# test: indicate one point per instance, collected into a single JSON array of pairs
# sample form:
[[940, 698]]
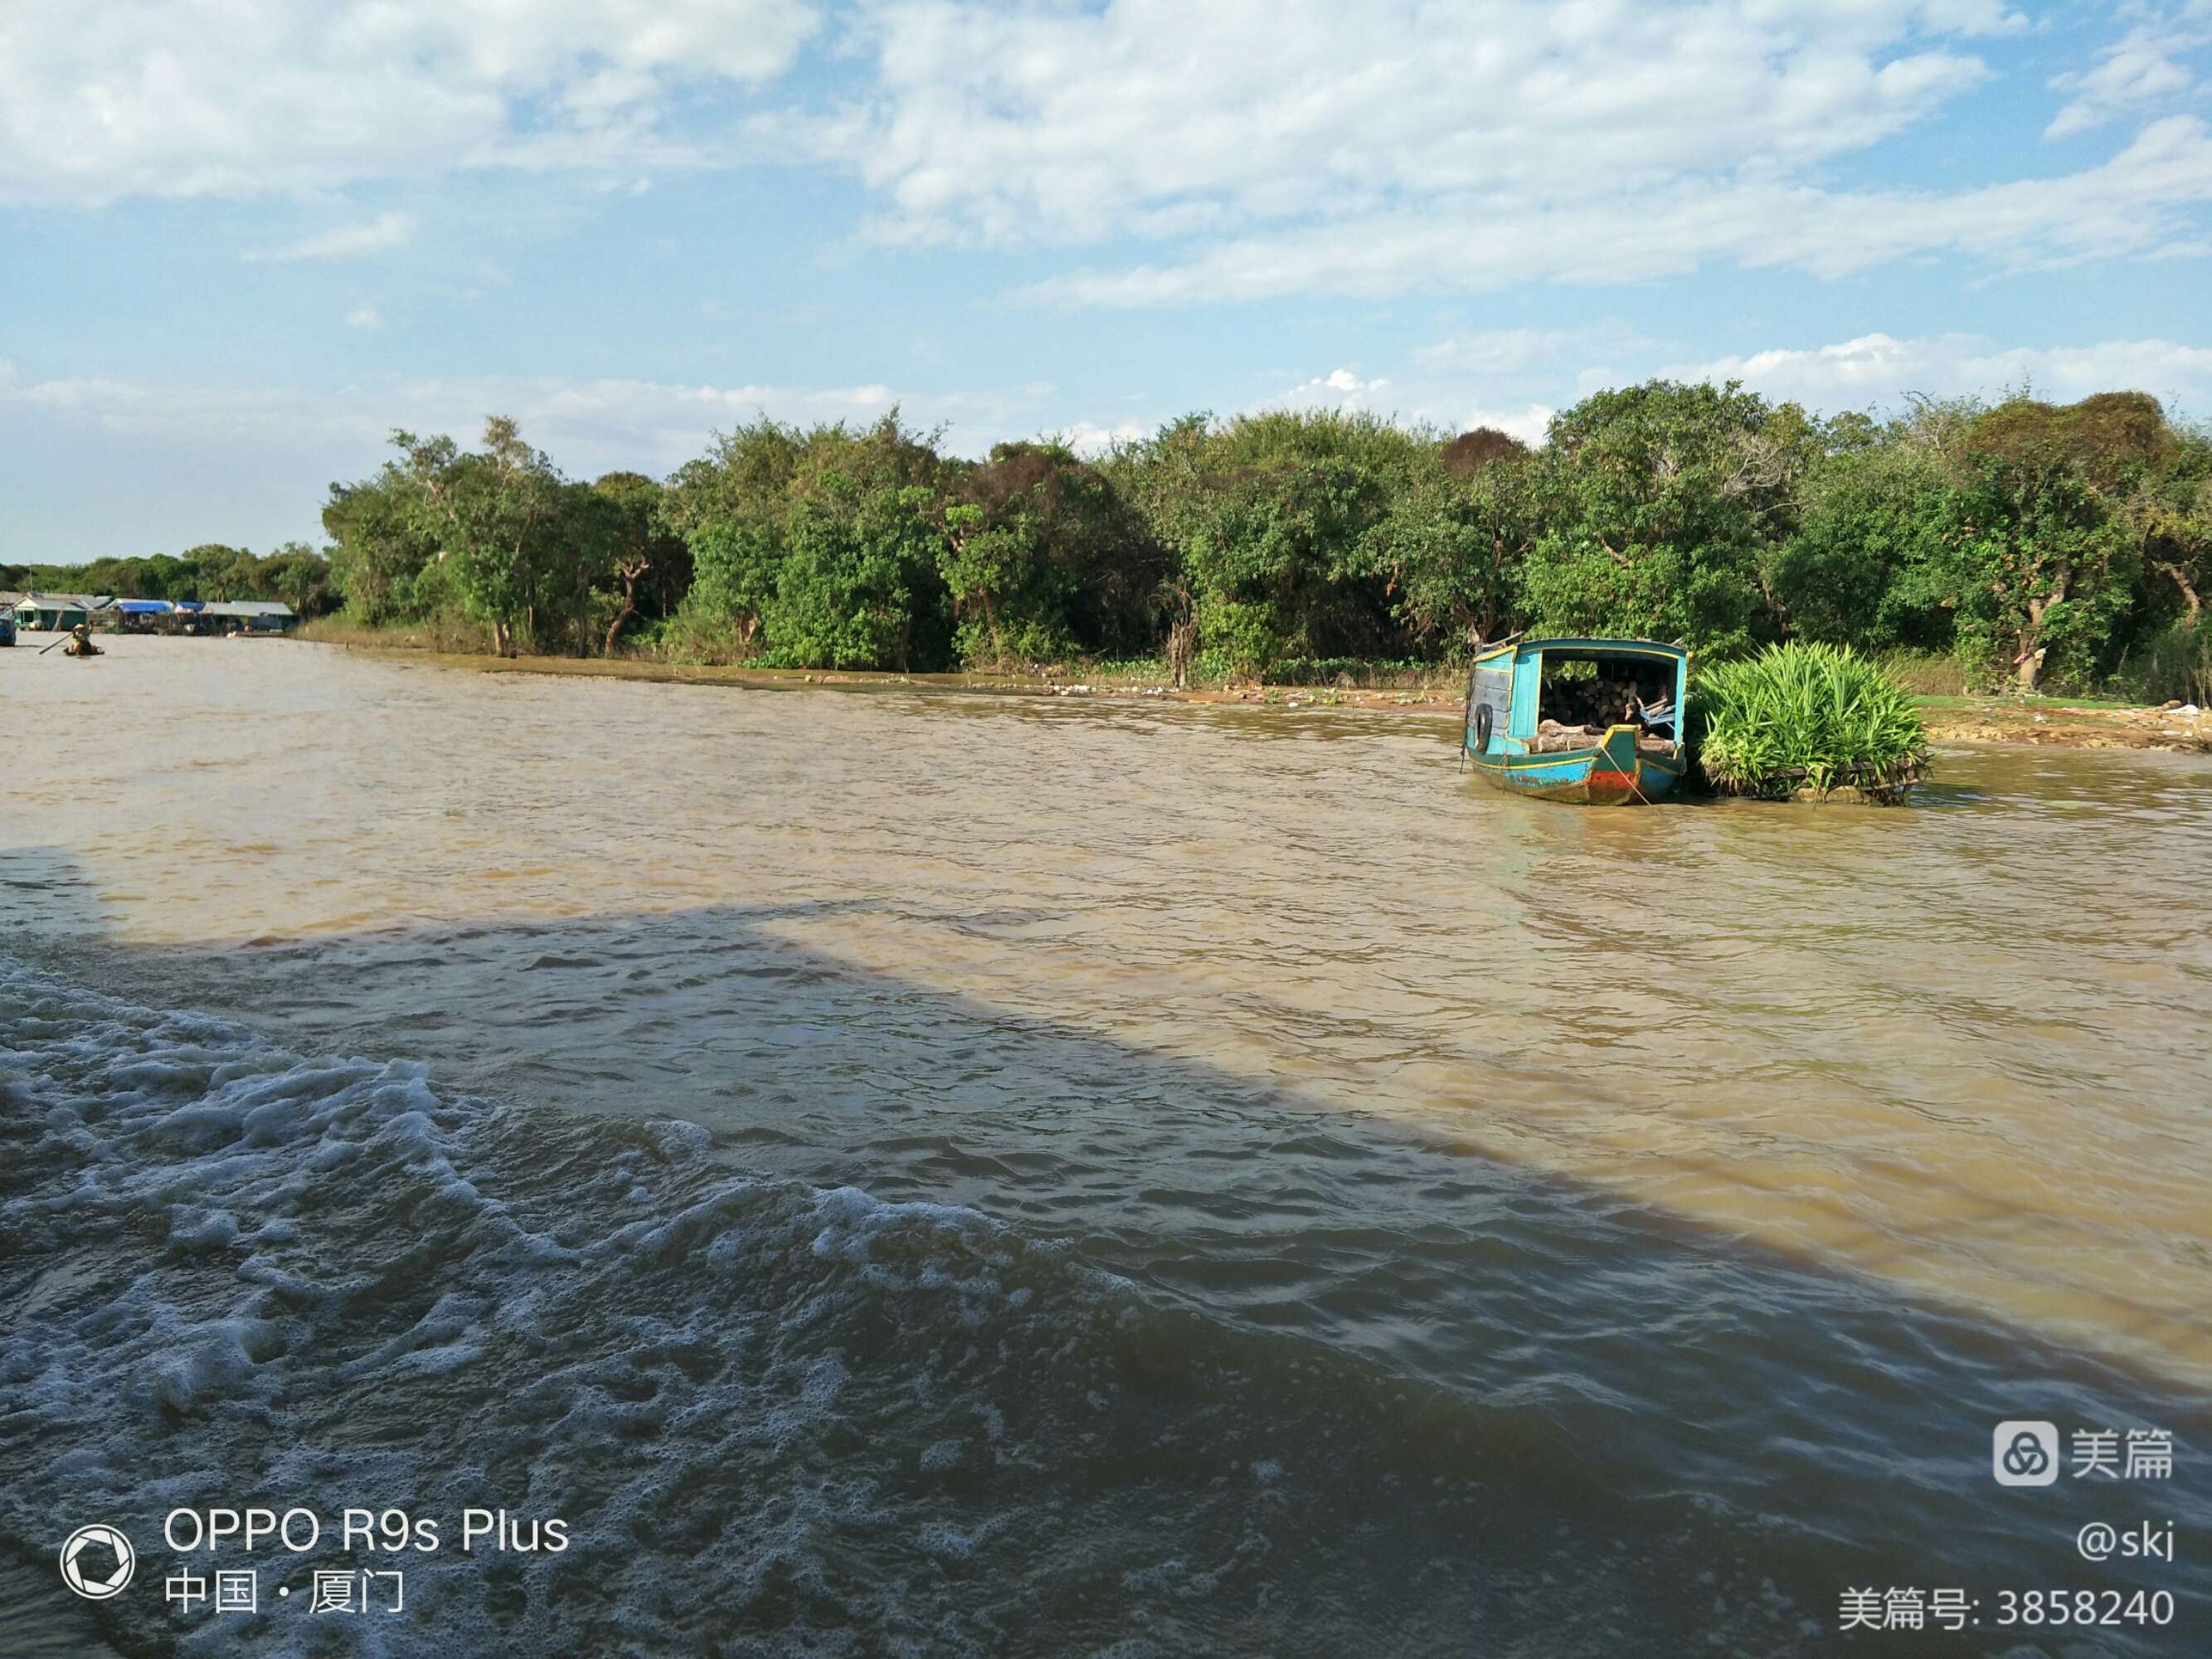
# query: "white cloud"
[[202, 97], [1529, 424], [1089, 438], [364, 317], [2133, 204], [1158, 119], [386, 230], [1879, 371], [1438, 398], [2141, 68], [1340, 389], [1286, 147]]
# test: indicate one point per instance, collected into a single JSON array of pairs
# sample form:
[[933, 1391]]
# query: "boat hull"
[[1615, 773]]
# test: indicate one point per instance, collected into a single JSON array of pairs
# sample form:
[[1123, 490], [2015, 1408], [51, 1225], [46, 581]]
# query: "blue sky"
[[239, 240]]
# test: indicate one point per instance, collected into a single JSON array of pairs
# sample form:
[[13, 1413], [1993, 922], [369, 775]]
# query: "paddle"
[[64, 639]]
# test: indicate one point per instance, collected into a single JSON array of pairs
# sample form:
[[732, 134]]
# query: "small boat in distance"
[[1597, 720]]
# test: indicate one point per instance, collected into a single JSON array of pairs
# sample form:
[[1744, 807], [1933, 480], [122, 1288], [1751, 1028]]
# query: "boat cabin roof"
[[1586, 647]]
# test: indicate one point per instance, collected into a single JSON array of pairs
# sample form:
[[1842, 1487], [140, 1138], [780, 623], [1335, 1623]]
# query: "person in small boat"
[[79, 643]]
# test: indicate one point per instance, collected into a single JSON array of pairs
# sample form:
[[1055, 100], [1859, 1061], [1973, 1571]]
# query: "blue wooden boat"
[[1597, 720]]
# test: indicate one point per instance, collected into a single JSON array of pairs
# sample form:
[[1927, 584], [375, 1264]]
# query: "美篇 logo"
[[2025, 1454]]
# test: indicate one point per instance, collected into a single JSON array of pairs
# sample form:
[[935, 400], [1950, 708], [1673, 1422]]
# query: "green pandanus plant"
[[1808, 720]]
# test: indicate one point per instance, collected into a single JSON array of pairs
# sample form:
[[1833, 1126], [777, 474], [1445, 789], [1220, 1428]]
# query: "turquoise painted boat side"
[[1614, 773]]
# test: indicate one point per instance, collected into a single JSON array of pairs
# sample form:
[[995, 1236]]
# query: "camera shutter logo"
[[96, 1579], [2025, 1454]]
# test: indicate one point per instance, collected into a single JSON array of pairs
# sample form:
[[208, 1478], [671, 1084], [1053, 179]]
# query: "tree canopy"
[[2039, 544]]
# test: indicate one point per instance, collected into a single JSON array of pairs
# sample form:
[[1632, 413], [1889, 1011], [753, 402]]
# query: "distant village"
[[58, 613]]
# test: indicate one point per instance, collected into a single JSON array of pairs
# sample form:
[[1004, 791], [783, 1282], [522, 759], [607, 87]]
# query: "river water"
[[906, 1172]]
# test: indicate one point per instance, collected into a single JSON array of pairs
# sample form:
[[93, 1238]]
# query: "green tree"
[[732, 507], [383, 535], [1453, 540], [507, 529], [818, 549], [1284, 568], [856, 560], [2037, 568], [1662, 500], [1858, 570], [1042, 558], [301, 578], [646, 568]]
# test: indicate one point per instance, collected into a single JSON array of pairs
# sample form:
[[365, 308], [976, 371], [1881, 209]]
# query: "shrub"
[[1808, 718]]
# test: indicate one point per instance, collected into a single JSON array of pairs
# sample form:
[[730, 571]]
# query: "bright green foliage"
[[381, 543], [730, 508], [2034, 544], [855, 560], [1283, 567], [734, 565], [1273, 513], [509, 531], [1453, 543], [1807, 717], [1043, 559], [815, 549], [1871, 531], [2037, 564], [1660, 500]]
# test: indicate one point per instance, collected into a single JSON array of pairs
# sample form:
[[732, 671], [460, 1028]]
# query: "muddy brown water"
[[1207, 1178]]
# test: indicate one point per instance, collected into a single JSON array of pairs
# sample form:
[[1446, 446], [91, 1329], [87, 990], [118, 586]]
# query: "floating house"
[[248, 616], [143, 615], [57, 613]]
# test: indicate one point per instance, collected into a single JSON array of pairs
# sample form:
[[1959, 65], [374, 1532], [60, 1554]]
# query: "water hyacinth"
[[1808, 720]]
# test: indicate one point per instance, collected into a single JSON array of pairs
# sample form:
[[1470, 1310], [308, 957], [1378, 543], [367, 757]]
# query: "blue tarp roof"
[[139, 607]]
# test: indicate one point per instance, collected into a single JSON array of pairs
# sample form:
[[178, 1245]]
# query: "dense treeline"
[[2041, 546], [295, 573]]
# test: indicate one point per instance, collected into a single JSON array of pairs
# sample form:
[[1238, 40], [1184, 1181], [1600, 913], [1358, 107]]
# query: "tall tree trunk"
[[2027, 667], [629, 570], [629, 605], [2028, 661]]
